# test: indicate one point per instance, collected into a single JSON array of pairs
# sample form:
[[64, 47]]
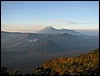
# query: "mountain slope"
[[46, 46], [49, 30], [71, 32], [46, 42], [29, 48], [85, 64]]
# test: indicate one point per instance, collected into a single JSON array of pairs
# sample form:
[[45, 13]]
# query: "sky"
[[31, 16]]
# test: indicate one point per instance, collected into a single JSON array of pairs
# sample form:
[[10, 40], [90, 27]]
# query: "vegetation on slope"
[[85, 64]]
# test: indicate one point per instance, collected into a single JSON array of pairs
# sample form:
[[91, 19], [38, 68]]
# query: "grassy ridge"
[[83, 64]]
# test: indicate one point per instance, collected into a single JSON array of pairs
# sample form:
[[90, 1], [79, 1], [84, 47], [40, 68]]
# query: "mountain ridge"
[[33, 40], [52, 30], [84, 64]]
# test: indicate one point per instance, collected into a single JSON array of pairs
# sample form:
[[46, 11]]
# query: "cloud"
[[68, 22], [56, 21], [73, 22], [87, 23]]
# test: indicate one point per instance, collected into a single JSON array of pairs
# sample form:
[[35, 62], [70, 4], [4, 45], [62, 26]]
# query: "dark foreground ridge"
[[84, 64]]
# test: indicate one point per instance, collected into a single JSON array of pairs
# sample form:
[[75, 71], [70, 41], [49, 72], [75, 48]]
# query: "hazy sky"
[[34, 15]]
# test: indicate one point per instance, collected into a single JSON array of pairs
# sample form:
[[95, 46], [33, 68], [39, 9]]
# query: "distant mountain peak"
[[66, 29], [49, 28], [52, 30]]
